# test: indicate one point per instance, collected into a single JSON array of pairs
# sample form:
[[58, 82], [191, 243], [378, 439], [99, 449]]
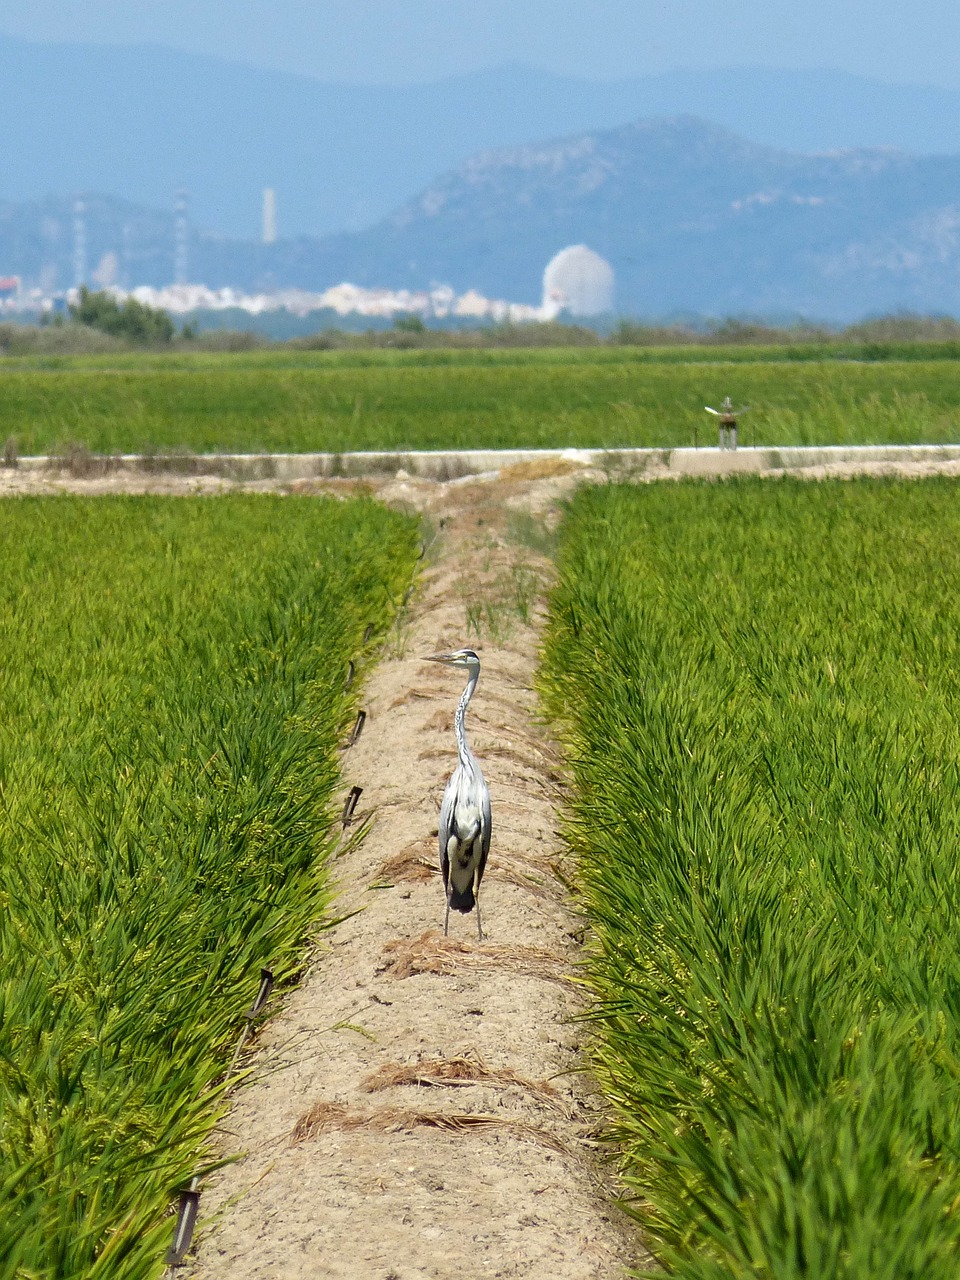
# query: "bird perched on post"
[[728, 421], [464, 832]]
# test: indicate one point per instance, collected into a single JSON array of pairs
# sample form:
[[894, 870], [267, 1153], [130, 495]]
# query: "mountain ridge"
[[142, 121], [692, 217]]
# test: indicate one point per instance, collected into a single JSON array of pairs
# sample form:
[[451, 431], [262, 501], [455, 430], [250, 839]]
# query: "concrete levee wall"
[[457, 464]]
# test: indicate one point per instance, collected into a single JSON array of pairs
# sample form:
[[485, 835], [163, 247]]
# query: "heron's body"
[[465, 826]]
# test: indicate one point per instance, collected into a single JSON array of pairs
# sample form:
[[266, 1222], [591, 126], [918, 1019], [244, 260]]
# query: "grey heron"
[[464, 832]]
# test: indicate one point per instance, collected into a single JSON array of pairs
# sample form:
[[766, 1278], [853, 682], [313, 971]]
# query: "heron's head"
[[465, 659]]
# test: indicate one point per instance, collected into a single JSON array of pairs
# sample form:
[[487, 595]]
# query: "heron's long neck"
[[458, 726]]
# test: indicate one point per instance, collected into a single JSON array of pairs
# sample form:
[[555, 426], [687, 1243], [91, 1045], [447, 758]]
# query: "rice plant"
[[172, 702], [759, 687], [589, 397]]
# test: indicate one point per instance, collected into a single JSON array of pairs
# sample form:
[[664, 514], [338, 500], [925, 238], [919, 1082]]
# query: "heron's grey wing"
[[486, 830], [444, 827]]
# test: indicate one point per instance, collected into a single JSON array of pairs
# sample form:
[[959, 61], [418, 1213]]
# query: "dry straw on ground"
[[418, 862], [412, 863], [433, 953], [327, 1117], [461, 1071]]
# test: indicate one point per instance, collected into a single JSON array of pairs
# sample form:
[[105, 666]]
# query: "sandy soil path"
[[415, 1109]]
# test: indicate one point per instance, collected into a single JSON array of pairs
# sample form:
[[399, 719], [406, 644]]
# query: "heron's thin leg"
[[446, 919], [479, 929]]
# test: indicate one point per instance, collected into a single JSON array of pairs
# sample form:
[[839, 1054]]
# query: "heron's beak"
[[438, 657]]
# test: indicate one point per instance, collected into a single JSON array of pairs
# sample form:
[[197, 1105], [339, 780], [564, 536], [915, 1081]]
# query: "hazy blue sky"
[[403, 41]]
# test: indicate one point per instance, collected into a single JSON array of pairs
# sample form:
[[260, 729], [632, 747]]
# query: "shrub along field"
[[601, 397], [760, 683], [172, 701]]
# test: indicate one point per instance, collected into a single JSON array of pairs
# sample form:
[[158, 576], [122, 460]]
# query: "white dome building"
[[579, 281]]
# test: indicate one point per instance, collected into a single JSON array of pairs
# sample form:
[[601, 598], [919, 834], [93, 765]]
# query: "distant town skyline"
[[386, 41]]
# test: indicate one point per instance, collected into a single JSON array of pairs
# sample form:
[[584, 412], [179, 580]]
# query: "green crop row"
[[401, 356], [171, 705], [759, 684], [322, 402]]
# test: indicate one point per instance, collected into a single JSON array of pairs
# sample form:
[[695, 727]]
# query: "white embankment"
[[454, 464]]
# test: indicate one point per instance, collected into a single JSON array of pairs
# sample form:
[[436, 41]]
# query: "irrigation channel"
[[415, 1109]]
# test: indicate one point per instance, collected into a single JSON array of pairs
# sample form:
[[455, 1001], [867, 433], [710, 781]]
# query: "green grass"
[[759, 684], [170, 710], [599, 397]]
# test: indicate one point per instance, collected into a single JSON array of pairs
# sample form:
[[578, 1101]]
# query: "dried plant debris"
[[415, 862], [459, 1072], [413, 695], [332, 1117], [441, 720], [510, 870], [419, 862], [432, 953]]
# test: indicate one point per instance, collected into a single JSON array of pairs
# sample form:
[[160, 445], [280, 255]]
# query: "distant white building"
[[346, 299], [578, 281]]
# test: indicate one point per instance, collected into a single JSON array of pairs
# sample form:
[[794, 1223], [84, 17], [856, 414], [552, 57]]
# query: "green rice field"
[[759, 687], [607, 397], [172, 702], [757, 684]]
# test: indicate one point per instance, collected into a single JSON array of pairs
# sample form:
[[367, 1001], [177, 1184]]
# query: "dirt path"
[[414, 1109]]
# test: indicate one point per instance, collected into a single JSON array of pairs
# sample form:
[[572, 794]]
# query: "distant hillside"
[[141, 121], [692, 218], [37, 241]]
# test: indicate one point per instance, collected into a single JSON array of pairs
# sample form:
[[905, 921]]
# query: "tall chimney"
[[269, 215]]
